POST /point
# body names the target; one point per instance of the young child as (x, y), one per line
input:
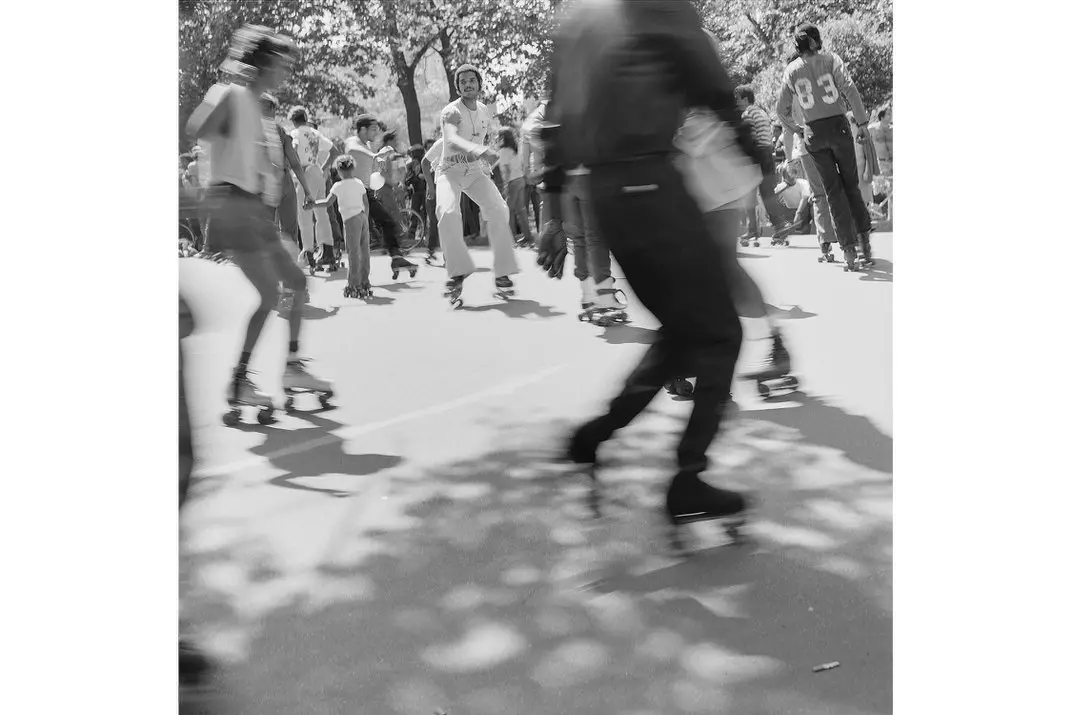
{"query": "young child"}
(350, 196)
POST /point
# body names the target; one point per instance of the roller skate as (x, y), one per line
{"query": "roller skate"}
(297, 379)
(244, 392)
(364, 292)
(351, 292)
(401, 265)
(865, 246)
(430, 259)
(690, 500)
(607, 308)
(679, 387)
(827, 254)
(453, 292)
(588, 298)
(504, 287)
(774, 370)
(310, 262)
(781, 234)
(849, 253)
(749, 238)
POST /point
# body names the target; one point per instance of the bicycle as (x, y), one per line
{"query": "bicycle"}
(411, 224)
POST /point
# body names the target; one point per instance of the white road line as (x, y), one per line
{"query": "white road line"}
(348, 433)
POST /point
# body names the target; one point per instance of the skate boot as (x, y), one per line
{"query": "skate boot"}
(608, 309)
(401, 265)
(865, 246)
(453, 291)
(297, 378)
(244, 392)
(827, 255)
(588, 299)
(781, 234)
(504, 287)
(774, 370)
(850, 258)
(430, 259)
(690, 500)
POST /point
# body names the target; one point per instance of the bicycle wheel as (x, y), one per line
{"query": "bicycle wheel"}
(411, 224)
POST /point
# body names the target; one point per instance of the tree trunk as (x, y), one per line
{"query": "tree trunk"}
(408, 88)
(446, 54)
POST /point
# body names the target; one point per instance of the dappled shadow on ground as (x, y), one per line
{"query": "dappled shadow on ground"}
(469, 587)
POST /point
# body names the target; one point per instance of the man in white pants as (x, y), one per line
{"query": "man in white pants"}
(313, 150)
(465, 166)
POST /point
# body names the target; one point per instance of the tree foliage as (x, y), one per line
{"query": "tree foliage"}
(756, 38)
(333, 41)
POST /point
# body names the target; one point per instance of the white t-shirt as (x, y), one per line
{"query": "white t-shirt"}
(239, 157)
(792, 195)
(510, 165)
(312, 146)
(351, 196)
(435, 153)
(473, 125)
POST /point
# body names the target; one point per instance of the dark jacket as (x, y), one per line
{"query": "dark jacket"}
(623, 74)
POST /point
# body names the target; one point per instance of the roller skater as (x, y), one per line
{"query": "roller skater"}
(820, 83)
(349, 195)
(722, 178)
(654, 228)
(246, 172)
(465, 168)
(313, 150)
(368, 131)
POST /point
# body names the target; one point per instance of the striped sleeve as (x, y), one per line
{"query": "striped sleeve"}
(761, 126)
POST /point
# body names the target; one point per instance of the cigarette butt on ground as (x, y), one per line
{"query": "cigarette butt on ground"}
(825, 666)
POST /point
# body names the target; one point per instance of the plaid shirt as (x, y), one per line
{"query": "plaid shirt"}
(761, 125)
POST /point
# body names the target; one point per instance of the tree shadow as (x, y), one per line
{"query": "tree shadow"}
(471, 589)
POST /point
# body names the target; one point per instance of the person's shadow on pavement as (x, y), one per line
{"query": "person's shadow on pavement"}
(328, 457)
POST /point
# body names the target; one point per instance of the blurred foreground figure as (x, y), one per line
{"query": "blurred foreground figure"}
(247, 176)
(623, 75)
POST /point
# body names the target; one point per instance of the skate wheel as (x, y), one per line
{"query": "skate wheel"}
(763, 390)
(755, 244)
(288, 405)
(231, 418)
(265, 416)
(413, 273)
(325, 399)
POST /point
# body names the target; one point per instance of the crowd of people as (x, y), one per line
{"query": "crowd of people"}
(608, 168)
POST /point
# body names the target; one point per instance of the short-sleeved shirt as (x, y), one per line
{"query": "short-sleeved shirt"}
(311, 146)
(822, 86)
(435, 153)
(473, 125)
(530, 139)
(364, 159)
(510, 165)
(351, 196)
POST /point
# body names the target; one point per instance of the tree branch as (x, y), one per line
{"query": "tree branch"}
(762, 36)
(420, 53)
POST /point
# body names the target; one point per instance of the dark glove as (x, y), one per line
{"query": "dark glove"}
(553, 250)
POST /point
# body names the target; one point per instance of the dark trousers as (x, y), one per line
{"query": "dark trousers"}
(431, 221)
(775, 210)
(657, 234)
(381, 216)
(186, 444)
(534, 198)
(833, 173)
(287, 211)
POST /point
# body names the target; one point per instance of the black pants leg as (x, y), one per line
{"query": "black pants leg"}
(830, 145)
(388, 226)
(432, 221)
(766, 190)
(683, 280)
(186, 444)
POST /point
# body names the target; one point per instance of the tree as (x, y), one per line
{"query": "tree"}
(334, 47)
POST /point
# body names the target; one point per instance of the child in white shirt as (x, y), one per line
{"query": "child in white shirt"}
(350, 195)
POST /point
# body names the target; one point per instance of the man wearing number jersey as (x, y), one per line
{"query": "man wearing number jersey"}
(820, 84)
